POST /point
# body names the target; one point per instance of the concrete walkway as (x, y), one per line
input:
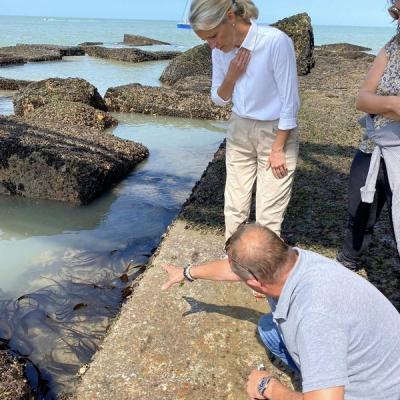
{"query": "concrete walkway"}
(192, 342)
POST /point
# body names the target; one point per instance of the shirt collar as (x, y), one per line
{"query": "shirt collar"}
(282, 307)
(249, 41)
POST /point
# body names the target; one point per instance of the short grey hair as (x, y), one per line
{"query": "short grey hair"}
(256, 250)
(207, 14)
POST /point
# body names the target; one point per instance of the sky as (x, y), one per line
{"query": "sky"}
(322, 12)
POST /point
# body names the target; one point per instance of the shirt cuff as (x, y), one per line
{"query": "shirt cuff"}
(219, 101)
(287, 123)
(324, 384)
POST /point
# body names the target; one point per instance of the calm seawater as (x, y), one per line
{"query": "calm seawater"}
(66, 256)
(66, 261)
(71, 31)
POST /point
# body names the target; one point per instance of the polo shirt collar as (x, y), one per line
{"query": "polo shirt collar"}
(282, 307)
(249, 41)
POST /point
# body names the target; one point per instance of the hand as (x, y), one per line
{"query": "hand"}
(238, 65)
(175, 276)
(277, 162)
(252, 384)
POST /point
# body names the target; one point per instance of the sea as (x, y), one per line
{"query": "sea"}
(60, 264)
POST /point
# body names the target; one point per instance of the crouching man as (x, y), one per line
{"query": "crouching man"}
(327, 323)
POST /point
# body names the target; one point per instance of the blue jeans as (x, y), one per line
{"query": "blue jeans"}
(272, 339)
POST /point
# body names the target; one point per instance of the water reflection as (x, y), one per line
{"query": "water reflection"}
(67, 265)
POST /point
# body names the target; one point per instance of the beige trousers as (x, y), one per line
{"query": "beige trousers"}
(248, 145)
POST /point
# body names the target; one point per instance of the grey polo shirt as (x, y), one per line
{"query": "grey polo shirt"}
(340, 330)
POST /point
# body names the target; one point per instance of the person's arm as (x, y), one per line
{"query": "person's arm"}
(277, 391)
(223, 85)
(236, 69)
(371, 103)
(219, 270)
(285, 75)
(277, 158)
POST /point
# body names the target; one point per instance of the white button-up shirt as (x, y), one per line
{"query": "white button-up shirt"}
(268, 89)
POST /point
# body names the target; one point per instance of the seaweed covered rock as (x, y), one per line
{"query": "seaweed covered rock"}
(298, 27)
(344, 50)
(7, 59)
(13, 384)
(72, 114)
(26, 54)
(56, 161)
(22, 53)
(163, 101)
(137, 40)
(343, 47)
(53, 90)
(62, 50)
(201, 83)
(193, 62)
(90, 44)
(13, 84)
(129, 54)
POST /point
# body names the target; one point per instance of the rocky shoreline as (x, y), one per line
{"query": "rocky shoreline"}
(55, 147)
(24, 53)
(13, 384)
(137, 40)
(199, 347)
(184, 350)
(129, 55)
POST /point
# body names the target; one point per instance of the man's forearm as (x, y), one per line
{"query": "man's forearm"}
(278, 391)
(219, 270)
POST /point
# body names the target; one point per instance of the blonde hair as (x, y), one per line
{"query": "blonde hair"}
(207, 14)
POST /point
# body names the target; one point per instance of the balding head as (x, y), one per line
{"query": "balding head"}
(257, 249)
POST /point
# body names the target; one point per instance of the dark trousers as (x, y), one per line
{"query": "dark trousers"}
(363, 216)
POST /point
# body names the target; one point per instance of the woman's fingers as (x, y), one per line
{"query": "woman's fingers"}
(277, 162)
(243, 58)
(280, 171)
(240, 61)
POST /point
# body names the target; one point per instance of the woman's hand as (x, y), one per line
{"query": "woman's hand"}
(238, 65)
(175, 276)
(277, 163)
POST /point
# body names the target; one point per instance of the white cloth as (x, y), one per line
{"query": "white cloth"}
(387, 140)
(268, 90)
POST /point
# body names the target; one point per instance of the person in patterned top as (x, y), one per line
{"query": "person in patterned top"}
(379, 97)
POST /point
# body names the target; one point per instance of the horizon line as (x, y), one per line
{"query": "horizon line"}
(175, 21)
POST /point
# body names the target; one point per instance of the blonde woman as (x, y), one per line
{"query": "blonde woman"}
(255, 68)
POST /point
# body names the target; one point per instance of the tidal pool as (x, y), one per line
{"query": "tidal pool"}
(64, 269)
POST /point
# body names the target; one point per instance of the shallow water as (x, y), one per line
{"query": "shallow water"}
(63, 268)
(36, 235)
(61, 253)
(6, 106)
(100, 72)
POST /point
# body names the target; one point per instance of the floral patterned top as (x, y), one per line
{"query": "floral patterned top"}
(389, 85)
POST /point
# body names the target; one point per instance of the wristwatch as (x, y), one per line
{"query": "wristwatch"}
(263, 384)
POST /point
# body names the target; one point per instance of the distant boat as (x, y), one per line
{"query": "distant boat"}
(185, 20)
